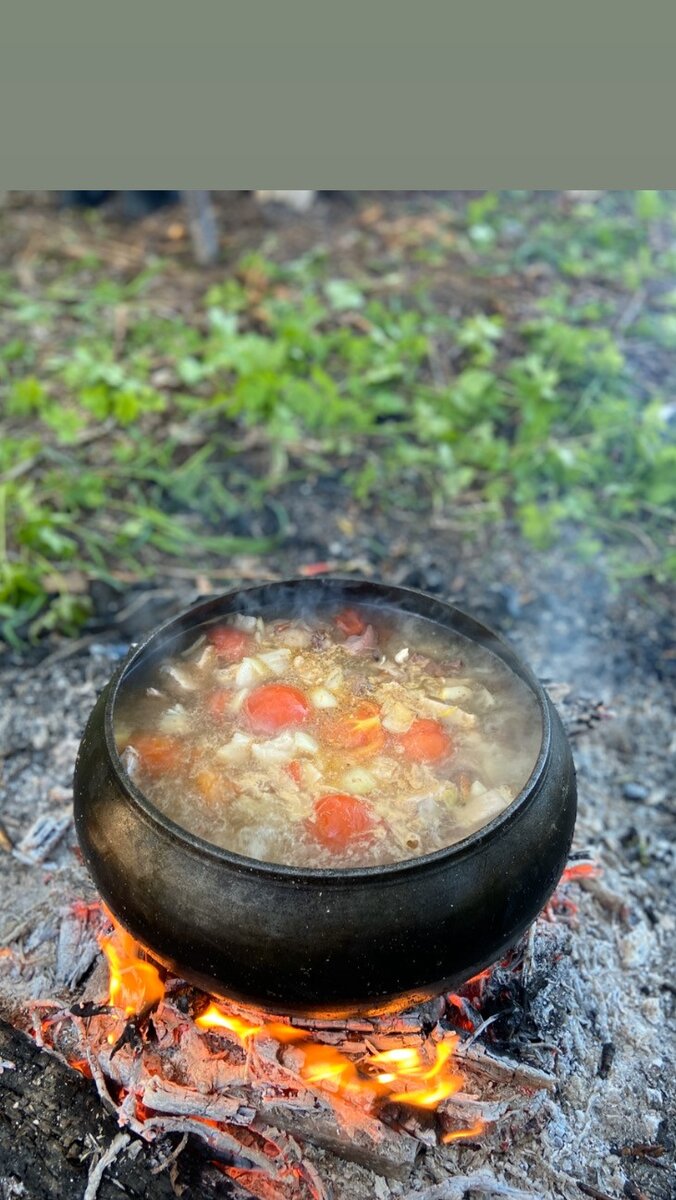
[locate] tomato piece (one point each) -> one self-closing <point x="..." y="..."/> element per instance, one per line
<point x="217" y="702"/>
<point x="159" y="753"/>
<point x="230" y="644"/>
<point x="359" y="731"/>
<point x="426" y="741"/>
<point x="275" y="706"/>
<point x="340" y="819"/>
<point x="350" y="623"/>
<point x="294" y="769"/>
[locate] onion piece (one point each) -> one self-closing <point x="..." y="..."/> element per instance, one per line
<point x="449" y="713"/>
<point x="177" y="679"/>
<point x="173" y="720"/>
<point x="309" y="775"/>
<point x="321" y="697"/>
<point x="334" y="679"/>
<point x="284" y="747"/>
<point x="358" y="781"/>
<point x="236" y="750"/>
<point x="482" y="808"/>
<point x="275" y="750"/>
<point x="207" y="658"/>
<point x="250" y="672"/>
<point x="243" y="622"/>
<point x="277" y="661"/>
<point x="397" y="718"/>
<point x="402" y="655"/>
<point x="456" y="694"/>
<point x="304" y="743"/>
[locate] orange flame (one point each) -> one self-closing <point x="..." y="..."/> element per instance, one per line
<point x="214" y="1018"/>
<point x="405" y="1074"/>
<point x="419" y="1076"/>
<point x="134" y="984"/>
<point x="456" y="1135"/>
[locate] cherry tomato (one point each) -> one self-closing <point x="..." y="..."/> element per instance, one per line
<point x="159" y="753"/>
<point x="275" y="706"/>
<point x="294" y="770"/>
<point x="350" y="623"/>
<point x="217" y="702"/>
<point x="340" y="819"/>
<point x="426" y="741"/>
<point x="359" y="731"/>
<point x="230" y="644"/>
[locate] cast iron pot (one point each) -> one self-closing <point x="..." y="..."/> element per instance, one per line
<point x="321" y="942"/>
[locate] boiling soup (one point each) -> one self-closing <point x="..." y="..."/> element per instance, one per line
<point x="361" y="738"/>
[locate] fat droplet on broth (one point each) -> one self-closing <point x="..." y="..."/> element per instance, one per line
<point x="255" y="791"/>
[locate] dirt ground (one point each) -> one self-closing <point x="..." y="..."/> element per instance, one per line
<point x="609" y="980"/>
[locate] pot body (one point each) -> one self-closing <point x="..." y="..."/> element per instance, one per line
<point x="321" y="942"/>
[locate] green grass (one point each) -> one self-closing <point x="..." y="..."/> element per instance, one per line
<point x="128" y="428"/>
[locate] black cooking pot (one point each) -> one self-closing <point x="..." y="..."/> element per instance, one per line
<point x="321" y="941"/>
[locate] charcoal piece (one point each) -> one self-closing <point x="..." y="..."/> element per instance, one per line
<point x="51" y="1119"/>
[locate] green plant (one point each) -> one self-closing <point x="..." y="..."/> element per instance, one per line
<point x="127" y="426"/>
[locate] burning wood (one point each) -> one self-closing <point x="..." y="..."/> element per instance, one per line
<point x="373" y="1090"/>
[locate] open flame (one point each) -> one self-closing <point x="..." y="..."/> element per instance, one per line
<point x="422" y="1077"/>
<point x="404" y="1075"/>
<point x="135" y="985"/>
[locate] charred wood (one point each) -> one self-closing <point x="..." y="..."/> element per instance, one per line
<point x="55" y="1135"/>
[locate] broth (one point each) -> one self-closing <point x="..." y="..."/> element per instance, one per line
<point x="355" y="739"/>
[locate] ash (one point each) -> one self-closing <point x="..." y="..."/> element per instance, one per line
<point x="580" y="1027"/>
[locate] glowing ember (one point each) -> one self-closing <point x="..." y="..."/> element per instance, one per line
<point x="135" y="985"/>
<point x="581" y="870"/>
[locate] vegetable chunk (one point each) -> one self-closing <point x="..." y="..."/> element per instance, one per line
<point x="339" y="820"/>
<point x="275" y="706"/>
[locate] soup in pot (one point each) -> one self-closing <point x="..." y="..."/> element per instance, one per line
<point x="352" y="739"/>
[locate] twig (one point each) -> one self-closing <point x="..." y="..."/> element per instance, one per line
<point x="96" y="1172"/>
<point x="593" y="1192"/>
<point x="457" y="1187"/>
<point x="170" y="1158"/>
<point x="642" y="1150"/>
<point x="217" y="1139"/>
<point x="479" y="1030"/>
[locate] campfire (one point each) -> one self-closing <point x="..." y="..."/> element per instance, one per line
<point x="255" y="1088"/>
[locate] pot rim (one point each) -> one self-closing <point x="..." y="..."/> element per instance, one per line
<point x="325" y="875"/>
